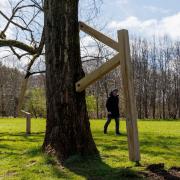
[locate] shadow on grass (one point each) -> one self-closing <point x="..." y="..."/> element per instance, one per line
<point x="89" y="167"/>
<point x="15" y="144"/>
<point x="150" y="144"/>
<point x="160" y="146"/>
<point x="111" y="142"/>
<point x="93" y="168"/>
<point x="21" y="136"/>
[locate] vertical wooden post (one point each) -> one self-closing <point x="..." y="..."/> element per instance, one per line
<point x="128" y="88"/>
<point x="28" y="123"/>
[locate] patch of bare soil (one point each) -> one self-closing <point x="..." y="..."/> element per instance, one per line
<point x="157" y="172"/>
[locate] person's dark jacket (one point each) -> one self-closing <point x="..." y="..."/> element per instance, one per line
<point x="112" y="106"/>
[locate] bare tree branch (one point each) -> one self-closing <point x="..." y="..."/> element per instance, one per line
<point x="10" y="21"/>
<point x="18" y="44"/>
<point x="38" y="72"/>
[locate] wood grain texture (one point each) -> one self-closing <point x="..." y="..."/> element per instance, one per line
<point x="99" y="36"/>
<point x="97" y="74"/>
<point x="128" y="90"/>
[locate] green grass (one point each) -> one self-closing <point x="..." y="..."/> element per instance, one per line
<point x="21" y="156"/>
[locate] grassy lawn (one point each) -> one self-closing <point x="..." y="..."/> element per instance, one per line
<point x="21" y="156"/>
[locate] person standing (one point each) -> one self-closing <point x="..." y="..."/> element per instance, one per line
<point x="112" y="106"/>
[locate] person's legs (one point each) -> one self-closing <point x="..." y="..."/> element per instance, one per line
<point x="106" y="125"/>
<point x="117" y="125"/>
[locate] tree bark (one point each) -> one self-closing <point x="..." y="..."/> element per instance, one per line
<point x="22" y="95"/>
<point x="68" y="128"/>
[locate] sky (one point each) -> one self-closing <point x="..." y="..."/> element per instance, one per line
<point x="143" y="17"/>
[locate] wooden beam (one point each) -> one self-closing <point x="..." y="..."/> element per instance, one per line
<point x="97" y="74"/>
<point x="99" y="36"/>
<point x="128" y="90"/>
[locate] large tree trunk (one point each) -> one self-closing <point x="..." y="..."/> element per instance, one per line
<point x="68" y="128"/>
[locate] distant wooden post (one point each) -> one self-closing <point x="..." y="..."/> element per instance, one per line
<point x="128" y="90"/>
<point x="28" y="122"/>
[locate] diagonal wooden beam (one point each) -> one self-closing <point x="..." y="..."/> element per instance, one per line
<point x="99" y="36"/>
<point x="83" y="83"/>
